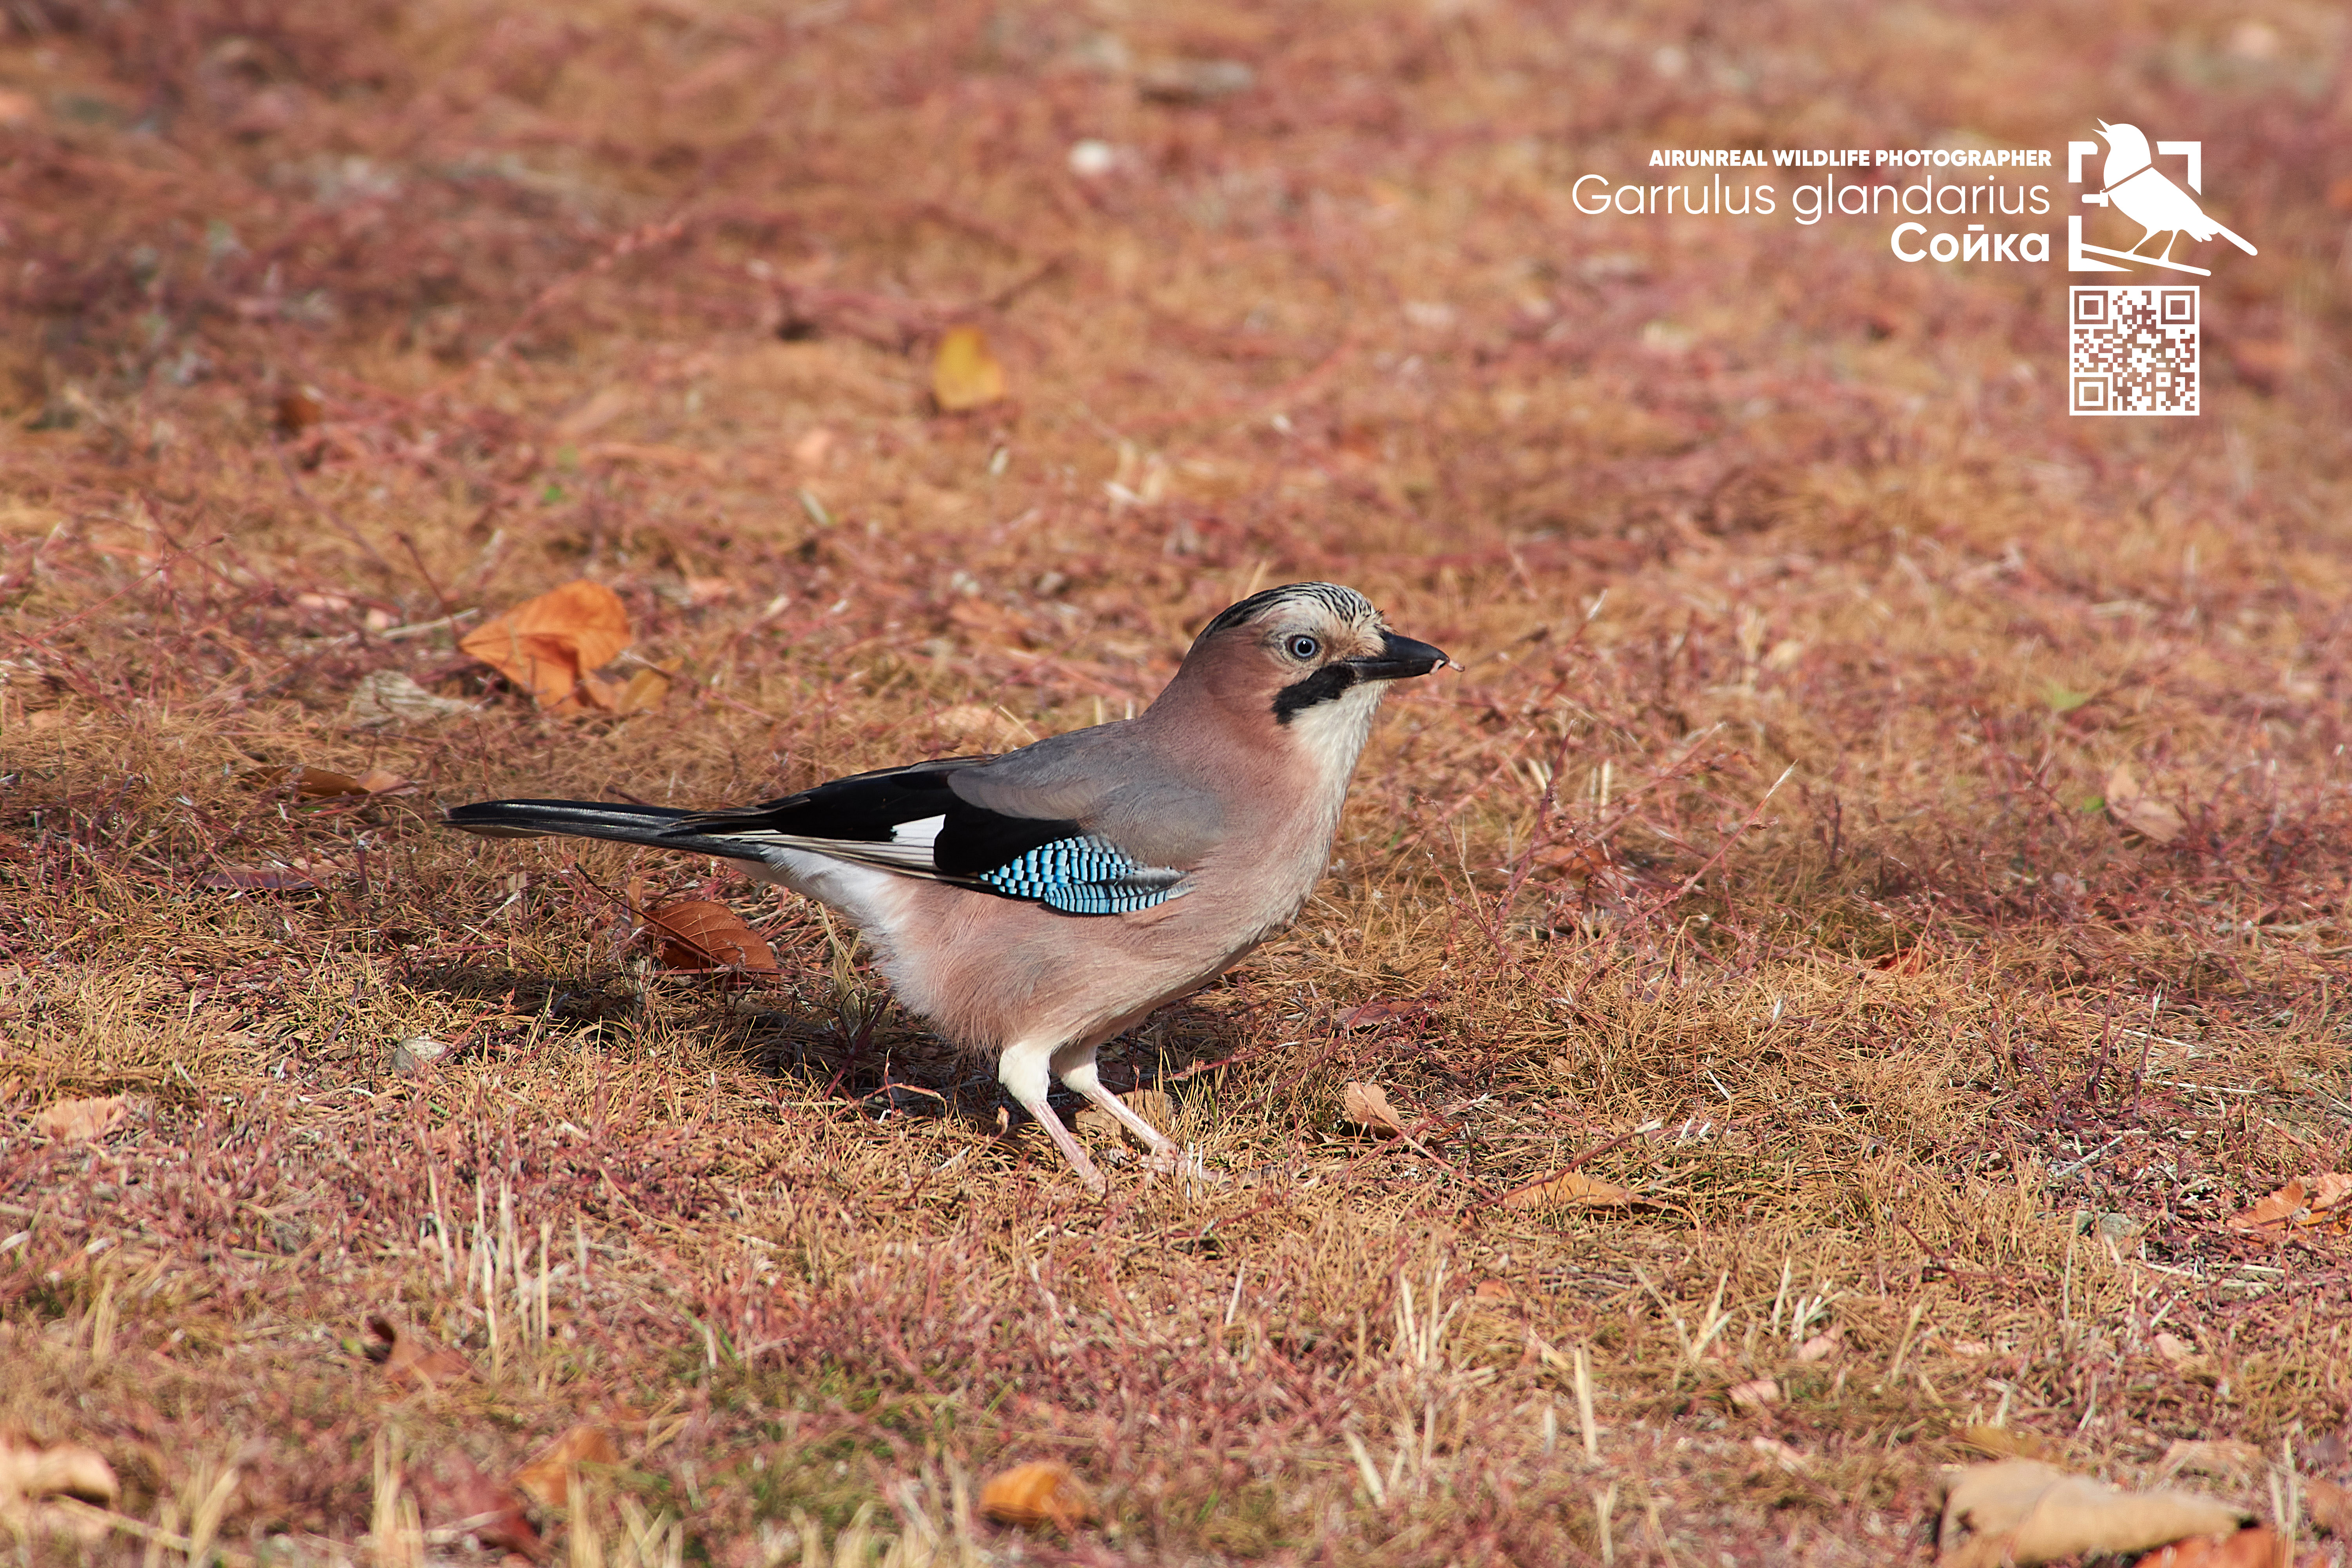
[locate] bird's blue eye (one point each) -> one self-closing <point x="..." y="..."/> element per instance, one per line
<point x="1304" y="648"/>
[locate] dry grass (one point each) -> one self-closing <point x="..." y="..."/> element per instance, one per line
<point x="1923" y="1049"/>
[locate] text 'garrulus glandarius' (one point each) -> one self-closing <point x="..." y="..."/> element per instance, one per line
<point x="1031" y="906"/>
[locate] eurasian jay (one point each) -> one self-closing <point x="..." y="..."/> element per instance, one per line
<point x="1031" y="906"/>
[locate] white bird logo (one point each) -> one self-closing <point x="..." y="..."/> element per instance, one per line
<point x="2136" y="189"/>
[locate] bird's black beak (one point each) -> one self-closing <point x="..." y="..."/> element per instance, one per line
<point x="1399" y="658"/>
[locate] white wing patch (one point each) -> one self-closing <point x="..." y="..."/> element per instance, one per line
<point x="923" y="830"/>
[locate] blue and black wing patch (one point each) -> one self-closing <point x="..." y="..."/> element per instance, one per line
<point x="907" y="820"/>
<point x="1084" y="875"/>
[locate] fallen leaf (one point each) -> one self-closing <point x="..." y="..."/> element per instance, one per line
<point x="412" y="1355"/>
<point x="642" y="691"/>
<point x="2288" y="1206"/>
<point x="1572" y="1189"/>
<point x="310" y="783"/>
<point x="458" y="1495"/>
<point x="262" y="878"/>
<point x="2024" y="1511"/>
<point x="2142" y="813"/>
<point x="2228" y="1458"/>
<point x="30" y="1473"/>
<point x="1903" y="961"/>
<point x="382" y="781"/>
<point x="548" y="1479"/>
<point x="1756" y="1393"/>
<point x="701" y="935"/>
<point x="1820" y="1347"/>
<point x="964" y="374"/>
<point x="2329" y="1505"/>
<point x="549" y="646"/>
<point x="391" y="696"/>
<point x="1495" y="1293"/>
<point x="74" y="1119"/>
<point x="1779" y="1453"/>
<point x="2010" y="1442"/>
<point x="1372" y="1015"/>
<point x="811" y="450"/>
<point x="1367" y="1105"/>
<point x="301" y="408"/>
<point x="1043" y="1492"/>
<point x="2178" y="1352"/>
<point x="2255" y="1547"/>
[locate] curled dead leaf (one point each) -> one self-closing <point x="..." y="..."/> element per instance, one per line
<point x="1570" y="1189"/>
<point x="74" y="1119"/>
<point x="412" y="1356"/>
<point x="2133" y="807"/>
<point x="643" y="692"/>
<point x="2024" y="1511"/>
<point x="965" y="373"/>
<point x="2324" y="1199"/>
<point x="697" y="934"/>
<point x="550" y="645"/>
<point x="1367" y="1105"/>
<point x="1044" y="1492"/>
<point x="548" y="1479"/>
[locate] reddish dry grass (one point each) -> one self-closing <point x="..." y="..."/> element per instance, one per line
<point x="645" y="292"/>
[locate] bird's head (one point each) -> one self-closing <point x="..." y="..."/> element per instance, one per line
<point x="2127" y="140"/>
<point x="1312" y="657"/>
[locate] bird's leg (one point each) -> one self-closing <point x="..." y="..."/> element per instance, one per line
<point x="1076" y="1068"/>
<point x="2169" y="241"/>
<point x="1023" y="1070"/>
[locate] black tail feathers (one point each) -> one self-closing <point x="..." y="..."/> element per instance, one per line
<point x="650" y="825"/>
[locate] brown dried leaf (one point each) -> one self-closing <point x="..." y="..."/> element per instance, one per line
<point x="2133" y="807"/>
<point x="1367" y="1105"/>
<point x="382" y="781"/>
<point x="74" y="1119"/>
<point x="548" y="1479"/>
<point x="1756" y="1393"/>
<point x="310" y="783"/>
<point x="700" y="934"/>
<point x="2023" y="1511"/>
<point x="549" y="644"/>
<point x="301" y="408"/>
<point x="1040" y="1493"/>
<point x="964" y="374"/>
<point x="1572" y="1189"/>
<point x="458" y="1495"/>
<point x="411" y="1355"/>
<point x="2256" y="1547"/>
<point x="642" y="692"/>
<point x="2291" y="1204"/>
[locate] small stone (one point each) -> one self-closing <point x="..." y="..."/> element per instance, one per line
<point x="411" y="1057"/>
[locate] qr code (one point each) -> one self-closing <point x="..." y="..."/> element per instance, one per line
<point x="2132" y="350"/>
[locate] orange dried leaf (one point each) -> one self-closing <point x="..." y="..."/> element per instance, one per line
<point x="382" y="781"/>
<point x="310" y="783"/>
<point x="1367" y="1105"/>
<point x="700" y="934"/>
<point x="546" y="644"/>
<point x="73" y="1120"/>
<point x="2286" y="1206"/>
<point x="964" y="374"/>
<point x="1040" y="1493"/>
<point x="644" y="692"/>
<point x="2329" y="1505"/>
<point x="548" y="1479"/>
<point x="411" y="1355"/>
<point x="2133" y="807"/>
<point x="2254" y="1547"/>
<point x="1572" y="1189"/>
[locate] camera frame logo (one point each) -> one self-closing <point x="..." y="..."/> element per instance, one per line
<point x="2132" y="349"/>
